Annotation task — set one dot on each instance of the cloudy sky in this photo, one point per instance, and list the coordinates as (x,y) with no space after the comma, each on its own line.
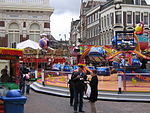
(64,11)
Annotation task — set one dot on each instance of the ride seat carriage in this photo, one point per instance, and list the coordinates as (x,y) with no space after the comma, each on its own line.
(57,67)
(67,68)
(103,71)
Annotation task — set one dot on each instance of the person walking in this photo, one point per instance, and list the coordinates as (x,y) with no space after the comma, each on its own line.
(94,91)
(79,87)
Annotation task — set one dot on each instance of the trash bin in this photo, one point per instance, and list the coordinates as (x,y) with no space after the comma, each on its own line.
(14,102)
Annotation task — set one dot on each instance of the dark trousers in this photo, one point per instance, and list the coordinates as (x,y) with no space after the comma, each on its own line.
(22,88)
(27,89)
(71,96)
(78,96)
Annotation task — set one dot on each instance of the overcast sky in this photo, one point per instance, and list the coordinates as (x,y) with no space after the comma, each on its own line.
(64,11)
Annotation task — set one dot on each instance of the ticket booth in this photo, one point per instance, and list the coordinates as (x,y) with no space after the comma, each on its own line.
(11,58)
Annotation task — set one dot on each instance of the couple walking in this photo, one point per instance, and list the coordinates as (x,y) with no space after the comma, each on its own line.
(77,89)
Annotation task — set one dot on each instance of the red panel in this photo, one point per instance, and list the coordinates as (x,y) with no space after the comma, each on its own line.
(143,45)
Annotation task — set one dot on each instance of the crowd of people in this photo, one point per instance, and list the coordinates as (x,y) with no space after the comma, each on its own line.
(78,86)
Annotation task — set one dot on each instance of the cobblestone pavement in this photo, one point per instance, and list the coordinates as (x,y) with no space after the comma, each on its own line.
(42,103)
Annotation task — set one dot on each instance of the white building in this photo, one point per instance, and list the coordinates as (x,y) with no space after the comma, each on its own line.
(119,15)
(100,20)
(23,19)
(74,33)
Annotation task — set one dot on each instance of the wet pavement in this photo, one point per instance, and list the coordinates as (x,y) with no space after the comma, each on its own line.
(42,103)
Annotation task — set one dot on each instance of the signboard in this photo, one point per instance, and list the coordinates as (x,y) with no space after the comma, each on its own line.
(136,76)
(12,52)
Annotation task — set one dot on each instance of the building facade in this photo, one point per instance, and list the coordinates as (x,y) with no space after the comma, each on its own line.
(23,19)
(92,26)
(120,15)
(100,20)
(74,33)
(88,17)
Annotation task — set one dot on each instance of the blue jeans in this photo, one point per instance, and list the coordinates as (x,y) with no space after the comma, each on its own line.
(78,100)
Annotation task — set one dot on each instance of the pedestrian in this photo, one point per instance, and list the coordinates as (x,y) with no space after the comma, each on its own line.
(5,77)
(24,75)
(71,89)
(94,91)
(28,83)
(79,78)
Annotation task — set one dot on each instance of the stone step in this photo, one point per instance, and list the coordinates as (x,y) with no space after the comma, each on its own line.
(102,95)
(133,95)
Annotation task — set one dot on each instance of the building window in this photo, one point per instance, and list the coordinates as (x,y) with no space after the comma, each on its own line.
(105,21)
(145,18)
(13,44)
(87,20)
(93,17)
(111,18)
(137,17)
(108,23)
(13,35)
(24,24)
(137,2)
(90,19)
(96,16)
(34,32)
(129,17)
(92,32)
(46,25)
(102,22)
(2,23)
(118,17)
(97,30)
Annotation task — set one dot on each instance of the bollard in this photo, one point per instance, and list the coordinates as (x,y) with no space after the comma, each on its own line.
(36,74)
(119,84)
(42,75)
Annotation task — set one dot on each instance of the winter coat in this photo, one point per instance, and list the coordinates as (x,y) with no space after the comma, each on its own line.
(94,89)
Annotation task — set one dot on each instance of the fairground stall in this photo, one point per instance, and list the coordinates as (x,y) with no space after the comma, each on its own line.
(9,60)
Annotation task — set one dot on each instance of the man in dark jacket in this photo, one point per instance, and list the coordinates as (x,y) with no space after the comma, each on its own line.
(79,87)
(71,89)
